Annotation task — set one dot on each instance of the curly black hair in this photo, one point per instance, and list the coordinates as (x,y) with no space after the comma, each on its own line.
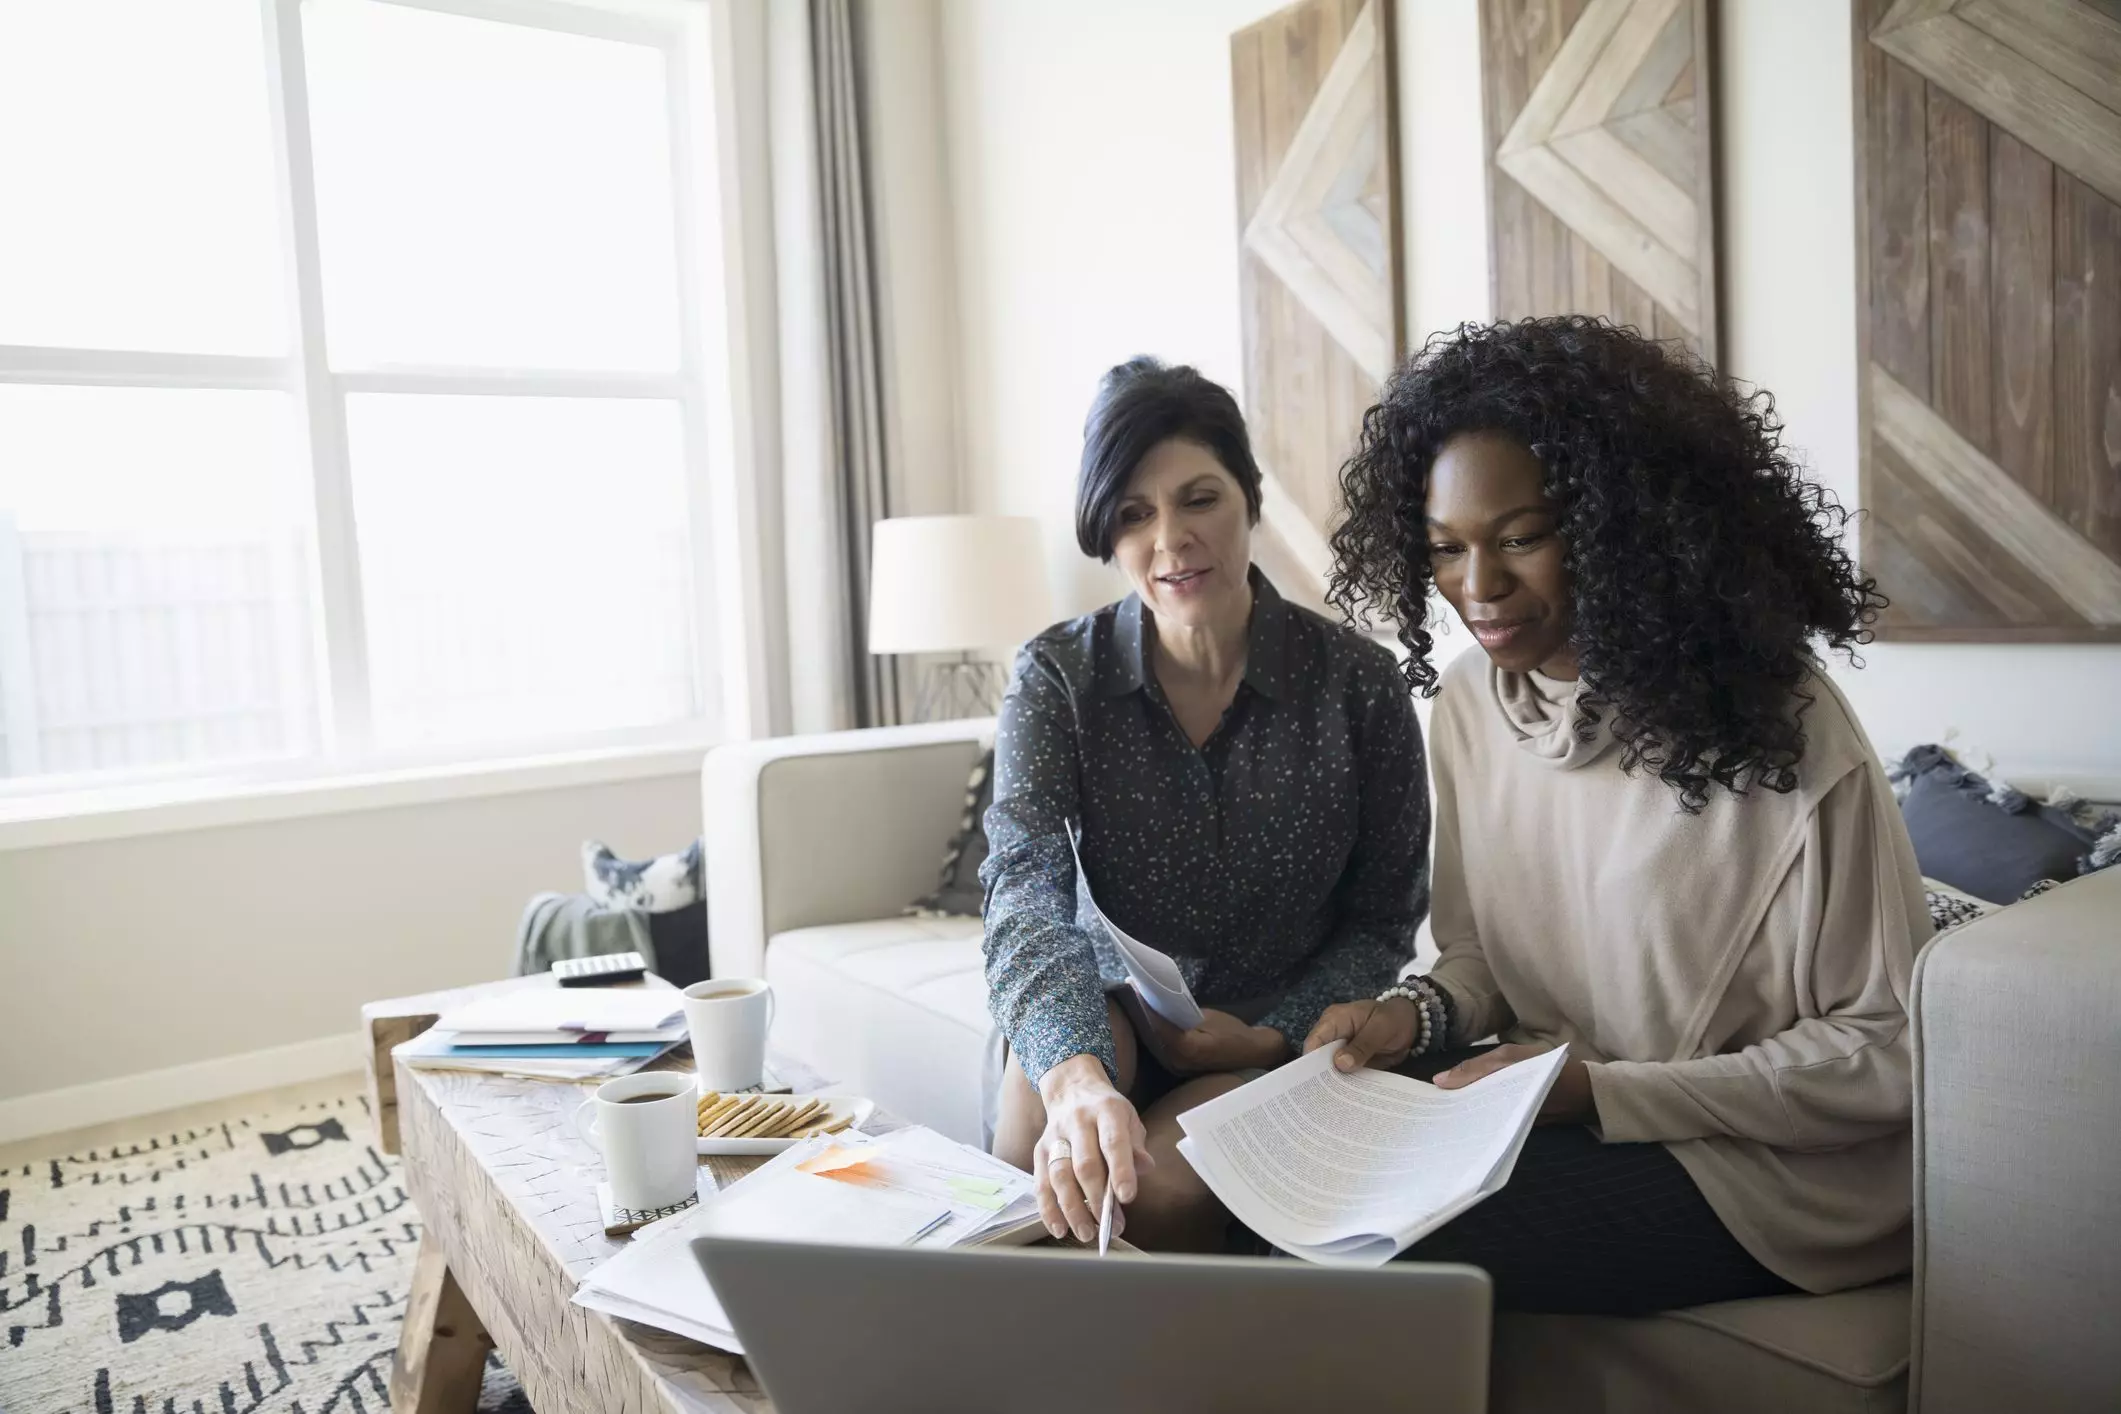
(1703,563)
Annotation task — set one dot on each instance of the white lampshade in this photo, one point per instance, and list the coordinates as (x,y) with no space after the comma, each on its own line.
(951,584)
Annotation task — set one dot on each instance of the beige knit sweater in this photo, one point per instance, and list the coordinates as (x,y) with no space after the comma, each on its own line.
(1737,979)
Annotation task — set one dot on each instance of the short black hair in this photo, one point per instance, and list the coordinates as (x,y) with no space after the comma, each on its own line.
(1705,563)
(1140,404)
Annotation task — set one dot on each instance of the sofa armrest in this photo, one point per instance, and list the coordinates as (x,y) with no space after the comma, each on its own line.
(839,827)
(2017,1036)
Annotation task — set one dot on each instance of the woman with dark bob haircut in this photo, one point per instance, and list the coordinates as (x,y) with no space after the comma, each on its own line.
(1662,839)
(1242,780)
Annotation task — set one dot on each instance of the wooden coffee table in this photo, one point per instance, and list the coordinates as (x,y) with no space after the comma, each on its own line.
(506,1193)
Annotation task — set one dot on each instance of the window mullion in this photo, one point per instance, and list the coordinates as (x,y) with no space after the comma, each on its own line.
(345,643)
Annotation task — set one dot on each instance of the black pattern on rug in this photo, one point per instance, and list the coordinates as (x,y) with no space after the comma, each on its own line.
(251,1266)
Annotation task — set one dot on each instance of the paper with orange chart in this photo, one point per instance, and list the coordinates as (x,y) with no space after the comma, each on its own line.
(911,1187)
(1352,1169)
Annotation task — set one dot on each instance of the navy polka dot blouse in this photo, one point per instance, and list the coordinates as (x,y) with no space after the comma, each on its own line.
(1283,864)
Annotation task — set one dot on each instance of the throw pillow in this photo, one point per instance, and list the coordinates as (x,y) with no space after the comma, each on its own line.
(651,885)
(958,893)
(1992,841)
(1949,908)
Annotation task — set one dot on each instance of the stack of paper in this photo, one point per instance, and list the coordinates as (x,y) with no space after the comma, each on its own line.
(911,1187)
(577,1033)
(1351,1169)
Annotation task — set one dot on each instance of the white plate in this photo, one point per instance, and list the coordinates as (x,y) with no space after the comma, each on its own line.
(860,1108)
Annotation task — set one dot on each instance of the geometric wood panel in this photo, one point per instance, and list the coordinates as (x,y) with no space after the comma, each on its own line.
(1318,261)
(1989,278)
(1601,187)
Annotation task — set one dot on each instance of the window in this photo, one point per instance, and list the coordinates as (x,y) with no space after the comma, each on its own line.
(350,406)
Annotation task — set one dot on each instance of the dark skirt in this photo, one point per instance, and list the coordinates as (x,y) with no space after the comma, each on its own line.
(1589,1228)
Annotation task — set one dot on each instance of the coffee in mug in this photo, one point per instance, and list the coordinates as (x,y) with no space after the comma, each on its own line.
(647,1127)
(727,1018)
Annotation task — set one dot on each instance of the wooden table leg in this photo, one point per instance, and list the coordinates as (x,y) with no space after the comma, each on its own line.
(385,1034)
(442,1350)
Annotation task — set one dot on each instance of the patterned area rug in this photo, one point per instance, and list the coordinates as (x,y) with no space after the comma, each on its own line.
(255,1263)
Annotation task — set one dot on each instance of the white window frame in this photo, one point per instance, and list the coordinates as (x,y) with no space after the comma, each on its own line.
(696,37)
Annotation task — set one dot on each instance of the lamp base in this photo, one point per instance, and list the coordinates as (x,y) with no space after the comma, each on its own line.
(968,687)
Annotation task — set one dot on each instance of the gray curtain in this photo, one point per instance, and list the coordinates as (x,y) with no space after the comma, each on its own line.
(855,445)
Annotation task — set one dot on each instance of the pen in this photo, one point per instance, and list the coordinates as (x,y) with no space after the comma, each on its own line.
(933,1223)
(1104,1224)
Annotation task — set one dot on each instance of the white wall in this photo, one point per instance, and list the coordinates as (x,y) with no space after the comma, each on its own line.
(131,955)
(1093,176)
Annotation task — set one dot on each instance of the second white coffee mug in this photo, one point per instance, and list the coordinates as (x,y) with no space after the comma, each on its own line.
(648,1127)
(728,1018)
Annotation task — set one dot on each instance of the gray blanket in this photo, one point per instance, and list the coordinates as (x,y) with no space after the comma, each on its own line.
(557,926)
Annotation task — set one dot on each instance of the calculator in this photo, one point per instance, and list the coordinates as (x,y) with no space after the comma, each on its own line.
(605,970)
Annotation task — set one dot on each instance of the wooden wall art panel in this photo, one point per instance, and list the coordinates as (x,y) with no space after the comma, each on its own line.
(1318,266)
(1601,181)
(1989,274)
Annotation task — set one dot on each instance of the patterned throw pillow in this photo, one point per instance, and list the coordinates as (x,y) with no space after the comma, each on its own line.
(958,893)
(1949,908)
(658,885)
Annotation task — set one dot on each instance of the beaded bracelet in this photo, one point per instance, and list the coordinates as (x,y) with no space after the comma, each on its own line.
(1431,1011)
(1421,1013)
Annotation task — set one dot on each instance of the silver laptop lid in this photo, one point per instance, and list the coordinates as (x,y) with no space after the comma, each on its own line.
(864,1330)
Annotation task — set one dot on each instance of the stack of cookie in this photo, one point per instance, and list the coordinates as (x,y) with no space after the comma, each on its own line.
(768,1116)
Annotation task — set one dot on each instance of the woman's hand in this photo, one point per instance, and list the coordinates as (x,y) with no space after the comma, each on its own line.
(1569,1102)
(1220,1042)
(1378,1034)
(1093,1137)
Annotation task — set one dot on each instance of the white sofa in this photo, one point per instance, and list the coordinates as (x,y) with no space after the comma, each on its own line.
(814,846)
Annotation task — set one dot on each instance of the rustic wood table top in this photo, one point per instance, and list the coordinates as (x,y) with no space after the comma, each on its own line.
(507,1191)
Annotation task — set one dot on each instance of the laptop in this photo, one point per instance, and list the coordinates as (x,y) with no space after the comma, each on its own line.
(866,1330)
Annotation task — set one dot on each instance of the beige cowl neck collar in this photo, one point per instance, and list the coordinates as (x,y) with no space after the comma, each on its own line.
(1541,712)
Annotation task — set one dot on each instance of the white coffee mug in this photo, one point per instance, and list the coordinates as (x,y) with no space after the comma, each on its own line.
(647,1126)
(728,1018)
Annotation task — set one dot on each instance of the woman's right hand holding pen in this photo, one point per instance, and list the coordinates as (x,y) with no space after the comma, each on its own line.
(1093,1137)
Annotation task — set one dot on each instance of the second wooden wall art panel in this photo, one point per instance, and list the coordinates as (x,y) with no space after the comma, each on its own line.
(1601,175)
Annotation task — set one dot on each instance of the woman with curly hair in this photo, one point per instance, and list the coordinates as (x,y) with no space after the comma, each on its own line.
(1662,839)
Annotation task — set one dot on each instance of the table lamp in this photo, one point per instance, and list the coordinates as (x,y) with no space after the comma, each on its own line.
(957,584)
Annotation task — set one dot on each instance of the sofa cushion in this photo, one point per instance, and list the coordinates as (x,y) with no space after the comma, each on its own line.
(894,1009)
(1843,1352)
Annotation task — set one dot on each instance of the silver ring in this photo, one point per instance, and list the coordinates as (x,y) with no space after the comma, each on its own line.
(1059,1153)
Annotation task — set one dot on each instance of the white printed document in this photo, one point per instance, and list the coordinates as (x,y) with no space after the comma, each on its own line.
(569,1009)
(1156,978)
(1352,1169)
